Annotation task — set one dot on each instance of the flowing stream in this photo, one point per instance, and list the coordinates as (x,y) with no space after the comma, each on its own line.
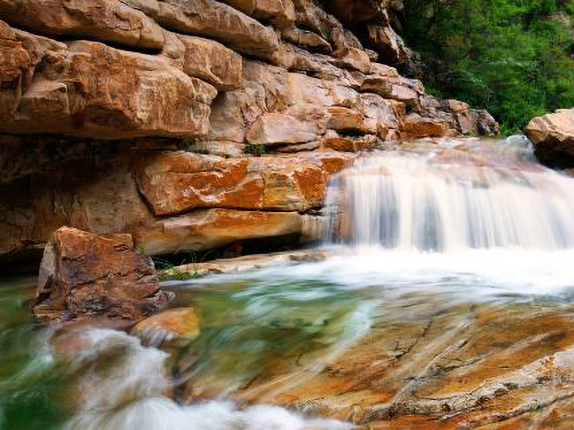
(428,228)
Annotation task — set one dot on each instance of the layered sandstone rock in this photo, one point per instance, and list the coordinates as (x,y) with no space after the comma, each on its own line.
(90,89)
(212,228)
(168,200)
(448,366)
(119,85)
(106,20)
(84,276)
(181,181)
(553,138)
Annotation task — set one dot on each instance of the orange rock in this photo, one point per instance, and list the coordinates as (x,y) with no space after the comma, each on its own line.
(212,228)
(277,129)
(417,126)
(212,62)
(341,118)
(105,20)
(338,142)
(90,89)
(174,327)
(353,59)
(84,276)
(175,182)
(491,366)
(280,12)
(210,18)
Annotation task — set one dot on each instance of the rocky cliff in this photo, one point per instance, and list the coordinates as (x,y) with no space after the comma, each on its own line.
(196,124)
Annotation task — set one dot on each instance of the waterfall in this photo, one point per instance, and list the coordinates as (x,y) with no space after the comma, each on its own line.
(459,195)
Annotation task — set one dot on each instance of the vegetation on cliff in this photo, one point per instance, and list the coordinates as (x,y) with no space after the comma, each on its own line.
(513,58)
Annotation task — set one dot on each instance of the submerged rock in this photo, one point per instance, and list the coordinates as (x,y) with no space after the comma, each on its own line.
(174,327)
(458,367)
(553,138)
(248,262)
(85,276)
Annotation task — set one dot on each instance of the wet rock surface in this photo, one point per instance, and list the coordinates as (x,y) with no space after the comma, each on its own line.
(249,263)
(483,366)
(174,327)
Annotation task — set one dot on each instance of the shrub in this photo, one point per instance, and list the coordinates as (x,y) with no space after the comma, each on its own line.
(511,57)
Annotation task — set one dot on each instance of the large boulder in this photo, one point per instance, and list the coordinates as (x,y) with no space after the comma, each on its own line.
(85,276)
(553,138)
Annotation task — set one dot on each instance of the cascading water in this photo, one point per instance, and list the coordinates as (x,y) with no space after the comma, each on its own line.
(450,199)
(428,231)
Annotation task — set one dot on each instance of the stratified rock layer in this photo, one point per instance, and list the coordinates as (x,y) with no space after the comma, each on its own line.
(113,114)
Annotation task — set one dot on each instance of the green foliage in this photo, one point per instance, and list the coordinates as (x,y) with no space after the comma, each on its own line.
(168,270)
(511,57)
(256,149)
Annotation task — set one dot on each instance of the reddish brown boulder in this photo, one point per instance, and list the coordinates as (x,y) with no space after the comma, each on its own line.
(338,142)
(85,276)
(417,126)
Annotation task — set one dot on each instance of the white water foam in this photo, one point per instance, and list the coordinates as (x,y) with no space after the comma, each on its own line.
(446,200)
(132,395)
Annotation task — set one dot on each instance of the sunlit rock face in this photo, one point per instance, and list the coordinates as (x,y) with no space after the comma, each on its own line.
(553,138)
(84,86)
